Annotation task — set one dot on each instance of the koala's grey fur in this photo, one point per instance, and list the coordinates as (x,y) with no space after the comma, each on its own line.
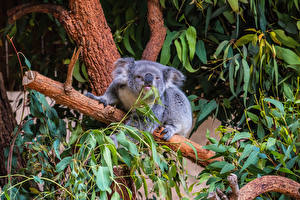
(130,77)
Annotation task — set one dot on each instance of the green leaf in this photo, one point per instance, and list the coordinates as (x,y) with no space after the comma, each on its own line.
(252,159)
(239,136)
(76,73)
(107,157)
(209,107)
(253,117)
(215,147)
(246,79)
(207,19)
(201,52)
(218,164)
(270,143)
(123,140)
(247,150)
(220,48)
(103,180)
(286,40)
(191,36)
(75,133)
(260,131)
(63,164)
(115,196)
(234,4)
(244,39)
(56,148)
(194,149)
(227,168)
(38,180)
(84,72)
(231,78)
(165,54)
(276,103)
(287,55)
(178,49)
(185,60)
(27,63)
(126,43)
(125,156)
(287,91)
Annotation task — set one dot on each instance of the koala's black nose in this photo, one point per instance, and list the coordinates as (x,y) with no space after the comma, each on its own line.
(148,79)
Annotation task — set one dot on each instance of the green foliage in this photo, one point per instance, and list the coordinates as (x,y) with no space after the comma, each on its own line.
(87,165)
(231,51)
(274,149)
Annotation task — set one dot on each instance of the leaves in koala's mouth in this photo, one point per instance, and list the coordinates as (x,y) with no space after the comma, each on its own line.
(151,93)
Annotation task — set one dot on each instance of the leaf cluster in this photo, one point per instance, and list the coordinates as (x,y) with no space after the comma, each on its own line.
(90,164)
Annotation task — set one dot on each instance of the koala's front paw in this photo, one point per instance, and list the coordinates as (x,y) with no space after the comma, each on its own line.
(167,134)
(98,98)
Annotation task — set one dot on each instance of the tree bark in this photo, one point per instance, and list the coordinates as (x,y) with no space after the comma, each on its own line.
(270,184)
(7,125)
(74,100)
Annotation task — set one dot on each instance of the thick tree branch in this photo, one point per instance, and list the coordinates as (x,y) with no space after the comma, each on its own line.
(158,31)
(74,100)
(181,143)
(270,184)
(257,187)
(108,114)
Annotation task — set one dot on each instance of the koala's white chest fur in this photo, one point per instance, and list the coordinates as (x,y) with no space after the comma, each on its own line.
(127,97)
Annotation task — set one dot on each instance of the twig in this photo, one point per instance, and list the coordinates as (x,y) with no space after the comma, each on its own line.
(234,185)
(68,83)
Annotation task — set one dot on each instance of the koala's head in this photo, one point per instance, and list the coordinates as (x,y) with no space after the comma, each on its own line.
(144,74)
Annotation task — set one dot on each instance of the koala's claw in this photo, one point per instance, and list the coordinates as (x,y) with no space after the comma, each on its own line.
(167,134)
(100,99)
(103,101)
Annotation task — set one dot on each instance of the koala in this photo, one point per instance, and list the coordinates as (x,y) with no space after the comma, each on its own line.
(130,77)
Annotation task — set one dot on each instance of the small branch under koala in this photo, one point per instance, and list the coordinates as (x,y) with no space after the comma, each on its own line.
(178,142)
(158,31)
(74,100)
(68,83)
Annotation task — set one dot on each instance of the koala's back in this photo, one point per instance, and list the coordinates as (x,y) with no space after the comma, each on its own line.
(177,111)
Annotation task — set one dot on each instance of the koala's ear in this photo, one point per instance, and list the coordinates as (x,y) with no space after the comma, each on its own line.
(122,62)
(122,66)
(173,76)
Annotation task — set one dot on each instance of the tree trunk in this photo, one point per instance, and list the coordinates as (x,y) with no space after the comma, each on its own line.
(7,125)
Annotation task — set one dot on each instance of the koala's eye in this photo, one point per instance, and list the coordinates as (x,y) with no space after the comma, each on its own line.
(157,78)
(138,76)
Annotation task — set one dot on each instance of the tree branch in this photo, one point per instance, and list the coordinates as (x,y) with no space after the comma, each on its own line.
(158,31)
(270,184)
(19,11)
(68,82)
(178,142)
(74,100)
